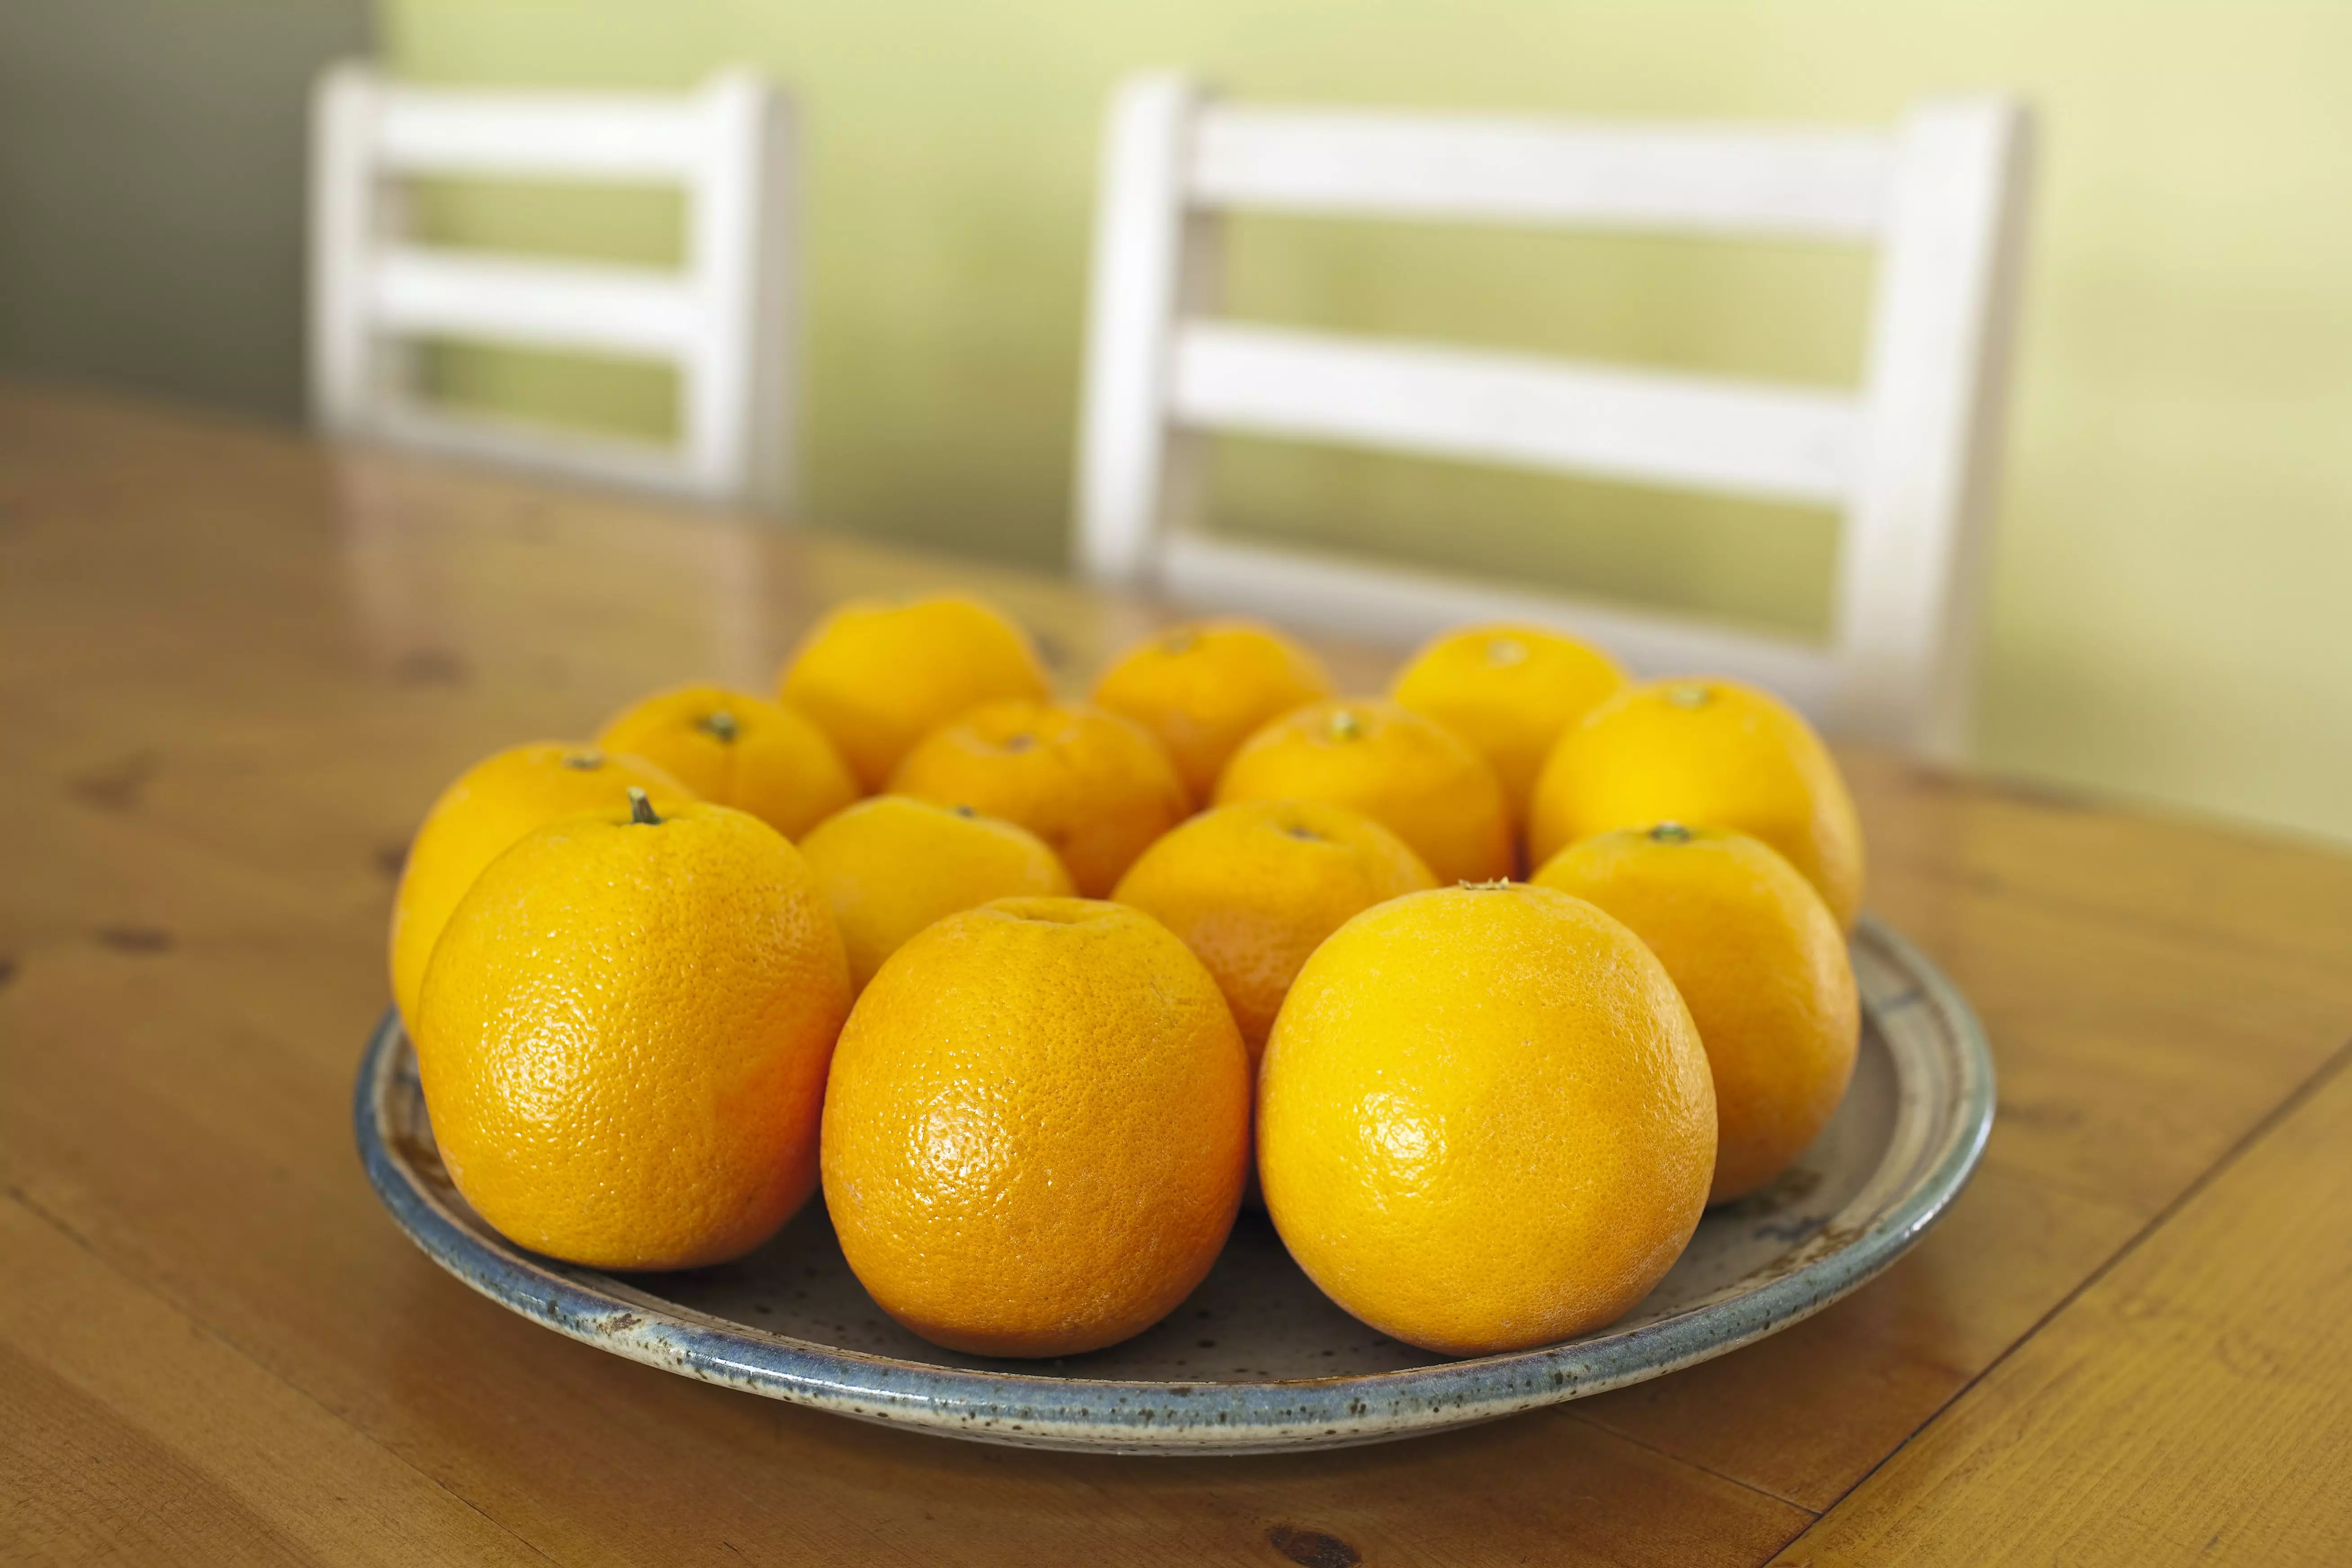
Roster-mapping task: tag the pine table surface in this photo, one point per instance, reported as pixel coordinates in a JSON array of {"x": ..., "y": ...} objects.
[{"x": 235, "y": 665}]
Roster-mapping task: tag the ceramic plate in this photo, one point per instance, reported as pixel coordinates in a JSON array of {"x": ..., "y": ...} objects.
[{"x": 1257, "y": 1359}]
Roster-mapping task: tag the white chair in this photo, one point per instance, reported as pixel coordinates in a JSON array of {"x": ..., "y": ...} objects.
[
  {"x": 727, "y": 321},
  {"x": 1909, "y": 459}
]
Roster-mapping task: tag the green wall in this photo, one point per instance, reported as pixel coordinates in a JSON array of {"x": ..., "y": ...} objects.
[
  {"x": 2170, "y": 614},
  {"x": 151, "y": 156}
]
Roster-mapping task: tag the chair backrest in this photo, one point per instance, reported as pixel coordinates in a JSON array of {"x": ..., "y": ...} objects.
[
  {"x": 726, "y": 322},
  {"x": 1908, "y": 458}
]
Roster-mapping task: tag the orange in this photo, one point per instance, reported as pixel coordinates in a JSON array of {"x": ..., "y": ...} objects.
[
  {"x": 1036, "y": 1128},
  {"x": 1484, "y": 1119},
  {"x": 1252, "y": 889},
  {"x": 739, "y": 750},
  {"x": 1762, "y": 965},
  {"x": 1510, "y": 691},
  {"x": 1415, "y": 778},
  {"x": 1710, "y": 753},
  {"x": 891, "y": 865},
  {"x": 492, "y": 804},
  {"x": 878, "y": 676},
  {"x": 1095, "y": 786},
  {"x": 626, "y": 1030},
  {"x": 1205, "y": 687}
]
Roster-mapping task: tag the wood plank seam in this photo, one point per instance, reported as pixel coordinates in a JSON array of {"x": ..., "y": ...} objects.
[
  {"x": 33, "y": 1206},
  {"x": 2335, "y": 1063},
  {"x": 1597, "y": 1425}
]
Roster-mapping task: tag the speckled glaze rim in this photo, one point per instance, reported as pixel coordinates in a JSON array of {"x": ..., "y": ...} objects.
[{"x": 1944, "y": 1114}]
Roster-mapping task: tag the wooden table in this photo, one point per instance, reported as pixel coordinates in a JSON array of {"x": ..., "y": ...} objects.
[{"x": 235, "y": 665}]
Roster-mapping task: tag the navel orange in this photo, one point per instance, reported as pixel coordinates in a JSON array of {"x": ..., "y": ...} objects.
[
  {"x": 1095, "y": 787},
  {"x": 893, "y": 864},
  {"x": 1484, "y": 1119},
  {"x": 492, "y": 804},
  {"x": 626, "y": 1027},
  {"x": 1510, "y": 691},
  {"x": 1762, "y": 965},
  {"x": 1036, "y": 1128},
  {"x": 878, "y": 676},
  {"x": 1205, "y": 687},
  {"x": 1254, "y": 888},
  {"x": 1708, "y": 752},
  {"x": 735, "y": 749},
  {"x": 1414, "y": 777}
]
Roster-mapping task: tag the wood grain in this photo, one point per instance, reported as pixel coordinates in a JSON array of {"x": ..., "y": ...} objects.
[
  {"x": 2192, "y": 1404},
  {"x": 1804, "y": 1413},
  {"x": 234, "y": 669},
  {"x": 133, "y": 1433}
]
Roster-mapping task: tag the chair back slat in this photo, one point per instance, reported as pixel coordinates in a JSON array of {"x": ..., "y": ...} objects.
[
  {"x": 603, "y": 138},
  {"x": 725, "y": 320},
  {"x": 1908, "y": 457},
  {"x": 1689, "y": 432},
  {"x": 610, "y": 309},
  {"x": 1826, "y": 184},
  {"x": 1412, "y": 606}
]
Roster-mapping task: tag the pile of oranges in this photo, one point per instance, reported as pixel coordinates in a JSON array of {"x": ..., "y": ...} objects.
[{"x": 1041, "y": 992}]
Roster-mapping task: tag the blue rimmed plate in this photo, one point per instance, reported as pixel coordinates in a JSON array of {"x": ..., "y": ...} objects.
[{"x": 1257, "y": 1359}]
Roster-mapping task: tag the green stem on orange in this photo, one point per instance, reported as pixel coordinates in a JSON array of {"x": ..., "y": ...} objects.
[{"x": 640, "y": 808}]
